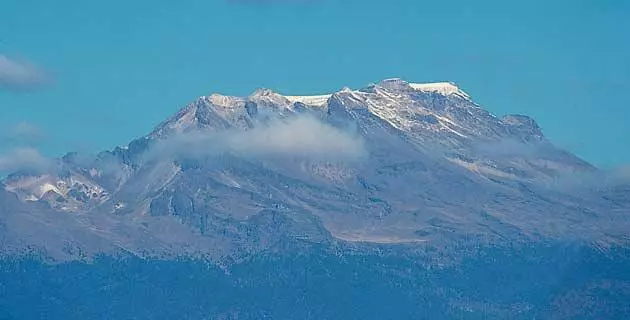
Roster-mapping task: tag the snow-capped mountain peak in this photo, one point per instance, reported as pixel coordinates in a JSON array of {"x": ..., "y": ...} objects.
[
  {"x": 393, "y": 162},
  {"x": 427, "y": 116},
  {"x": 268, "y": 98},
  {"x": 220, "y": 100}
]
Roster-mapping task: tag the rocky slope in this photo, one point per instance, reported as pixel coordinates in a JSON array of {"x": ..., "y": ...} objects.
[{"x": 394, "y": 162}]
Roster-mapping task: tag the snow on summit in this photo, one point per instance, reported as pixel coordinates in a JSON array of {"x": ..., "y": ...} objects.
[
  {"x": 317, "y": 100},
  {"x": 443, "y": 88}
]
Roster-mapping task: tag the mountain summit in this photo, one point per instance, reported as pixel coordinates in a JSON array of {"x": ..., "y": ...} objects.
[{"x": 394, "y": 162}]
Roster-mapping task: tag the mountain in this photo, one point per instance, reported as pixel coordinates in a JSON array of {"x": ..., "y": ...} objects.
[
  {"x": 393, "y": 162},
  {"x": 395, "y": 171}
]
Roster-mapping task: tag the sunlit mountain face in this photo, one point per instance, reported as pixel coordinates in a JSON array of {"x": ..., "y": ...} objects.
[{"x": 394, "y": 201}]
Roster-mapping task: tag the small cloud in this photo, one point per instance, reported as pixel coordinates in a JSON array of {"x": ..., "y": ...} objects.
[
  {"x": 27, "y": 131},
  {"x": 300, "y": 136},
  {"x": 618, "y": 176},
  {"x": 624, "y": 172},
  {"x": 594, "y": 180},
  {"x": 23, "y": 133},
  {"x": 20, "y": 159},
  {"x": 19, "y": 75}
]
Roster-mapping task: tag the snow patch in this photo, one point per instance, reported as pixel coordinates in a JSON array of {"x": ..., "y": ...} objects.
[
  {"x": 43, "y": 189},
  {"x": 316, "y": 101},
  {"x": 443, "y": 88},
  {"x": 224, "y": 101}
]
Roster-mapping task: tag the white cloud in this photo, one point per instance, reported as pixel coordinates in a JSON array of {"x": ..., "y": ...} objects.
[
  {"x": 299, "y": 136},
  {"x": 618, "y": 175},
  {"x": 24, "y": 159},
  {"x": 599, "y": 179},
  {"x": 21, "y": 134},
  {"x": 27, "y": 131},
  {"x": 20, "y": 75}
]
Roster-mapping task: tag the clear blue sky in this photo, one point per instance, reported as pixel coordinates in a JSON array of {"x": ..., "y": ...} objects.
[{"x": 119, "y": 67}]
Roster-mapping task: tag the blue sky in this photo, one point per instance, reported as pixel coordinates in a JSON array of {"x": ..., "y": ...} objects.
[{"x": 95, "y": 74}]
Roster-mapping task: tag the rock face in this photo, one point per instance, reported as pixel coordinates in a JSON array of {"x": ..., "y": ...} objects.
[{"x": 394, "y": 162}]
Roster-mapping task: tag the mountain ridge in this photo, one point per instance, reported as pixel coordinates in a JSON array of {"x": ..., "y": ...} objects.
[{"x": 342, "y": 167}]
